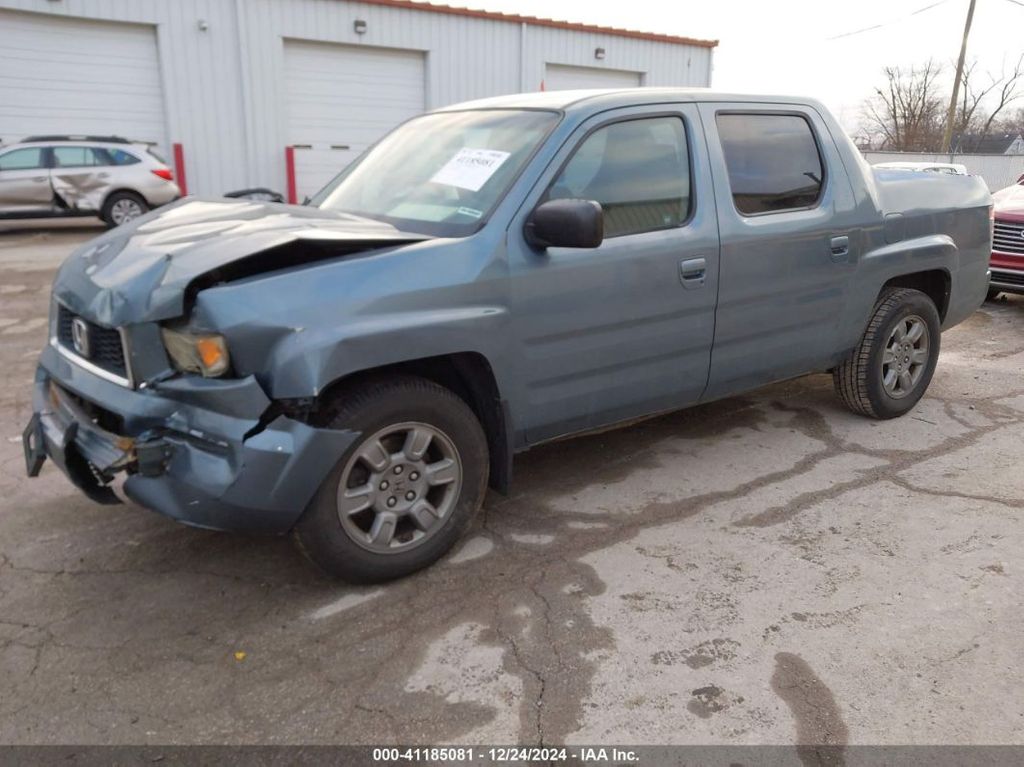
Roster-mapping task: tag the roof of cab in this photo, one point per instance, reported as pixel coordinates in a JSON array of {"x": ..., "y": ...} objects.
[{"x": 610, "y": 98}]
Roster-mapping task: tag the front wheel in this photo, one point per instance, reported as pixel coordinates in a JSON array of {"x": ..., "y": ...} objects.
[
  {"x": 405, "y": 491},
  {"x": 889, "y": 371}
]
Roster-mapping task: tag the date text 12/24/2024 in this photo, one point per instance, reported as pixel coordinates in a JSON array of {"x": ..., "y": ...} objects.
[{"x": 503, "y": 754}]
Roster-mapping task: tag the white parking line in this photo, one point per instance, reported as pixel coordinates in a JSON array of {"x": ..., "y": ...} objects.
[
  {"x": 474, "y": 548},
  {"x": 346, "y": 602}
]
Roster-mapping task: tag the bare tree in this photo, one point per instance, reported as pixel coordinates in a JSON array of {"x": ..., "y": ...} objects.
[
  {"x": 906, "y": 114},
  {"x": 1007, "y": 89},
  {"x": 981, "y": 104},
  {"x": 971, "y": 96},
  {"x": 1011, "y": 124}
]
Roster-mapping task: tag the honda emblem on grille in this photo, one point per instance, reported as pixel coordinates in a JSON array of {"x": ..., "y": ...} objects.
[{"x": 80, "y": 336}]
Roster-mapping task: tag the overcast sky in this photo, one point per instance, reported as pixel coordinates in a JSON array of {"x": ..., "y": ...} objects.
[{"x": 783, "y": 46}]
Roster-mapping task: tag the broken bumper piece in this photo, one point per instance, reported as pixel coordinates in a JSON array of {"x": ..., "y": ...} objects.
[{"x": 220, "y": 469}]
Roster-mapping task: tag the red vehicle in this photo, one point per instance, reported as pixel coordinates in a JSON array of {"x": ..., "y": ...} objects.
[{"x": 1008, "y": 242}]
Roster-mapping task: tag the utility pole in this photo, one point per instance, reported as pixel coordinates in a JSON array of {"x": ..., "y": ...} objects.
[{"x": 947, "y": 136}]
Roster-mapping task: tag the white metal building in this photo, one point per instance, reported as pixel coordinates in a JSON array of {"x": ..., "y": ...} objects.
[{"x": 232, "y": 83}]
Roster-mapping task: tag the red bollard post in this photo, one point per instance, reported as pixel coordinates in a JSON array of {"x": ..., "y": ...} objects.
[
  {"x": 179, "y": 168},
  {"x": 289, "y": 167}
]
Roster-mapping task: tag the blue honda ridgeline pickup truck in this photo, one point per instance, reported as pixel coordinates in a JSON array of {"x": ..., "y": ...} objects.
[{"x": 487, "y": 277}]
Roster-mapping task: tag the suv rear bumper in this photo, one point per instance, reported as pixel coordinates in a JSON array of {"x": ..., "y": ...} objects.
[
  {"x": 161, "y": 194},
  {"x": 222, "y": 469}
]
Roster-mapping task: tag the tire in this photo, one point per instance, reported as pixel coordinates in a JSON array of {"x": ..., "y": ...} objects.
[
  {"x": 993, "y": 294},
  {"x": 865, "y": 380},
  {"x": 395, "y": 535},
  {"x": 122, "y": 207}
]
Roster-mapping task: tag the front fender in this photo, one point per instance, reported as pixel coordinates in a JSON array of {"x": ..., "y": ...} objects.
[
  {"x": 300, "y": 329},
  {"x": 305, "y": 362}
]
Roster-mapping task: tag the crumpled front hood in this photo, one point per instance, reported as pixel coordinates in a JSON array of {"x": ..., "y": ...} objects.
[{"x": 141, "y": 272}]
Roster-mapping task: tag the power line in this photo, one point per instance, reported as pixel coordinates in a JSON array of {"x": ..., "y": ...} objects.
[{"x": 897, "y": 21}]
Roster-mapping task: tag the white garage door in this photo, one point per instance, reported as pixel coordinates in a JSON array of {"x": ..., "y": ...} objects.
[
  {"x": 60, "y": 75},
  {"x": 341, "y": 99},
  {"x": 560, "y": 77}
]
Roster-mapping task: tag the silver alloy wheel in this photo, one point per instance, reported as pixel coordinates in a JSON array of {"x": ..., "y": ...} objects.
[
  {"x": 399, "y": 487},
  {"x": 905, "y": 356},
  {"x": 125, "y": 210}
]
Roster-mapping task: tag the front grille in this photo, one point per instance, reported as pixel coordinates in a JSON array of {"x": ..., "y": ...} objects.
[
  {"x": 1008, "y": 278},
  {"x": 105, "y": 348},
  {"x": 1009, "y": 237},
  {"x": 105, "y": 419}
]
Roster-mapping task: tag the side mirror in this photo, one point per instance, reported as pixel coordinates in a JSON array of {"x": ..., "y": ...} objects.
[{"x": 566, "y": 224}]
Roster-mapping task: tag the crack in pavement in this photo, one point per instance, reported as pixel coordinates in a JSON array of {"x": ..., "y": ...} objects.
[
  {"x": 367, "y": 653},
  {"x": 561, "y": 685},
  {"x": 897, "y": 461},
  {"x": 821, "y": 733}
]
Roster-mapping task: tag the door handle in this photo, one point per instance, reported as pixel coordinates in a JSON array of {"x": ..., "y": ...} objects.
[
  {"x": 693, "y": 272},
  {"x": 839, "y": 247}
]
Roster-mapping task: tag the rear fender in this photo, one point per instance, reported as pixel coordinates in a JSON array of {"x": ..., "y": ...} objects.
[{"x": 886, "y": 263}]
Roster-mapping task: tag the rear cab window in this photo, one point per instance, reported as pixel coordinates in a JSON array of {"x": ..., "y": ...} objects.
[
  {"x": 773, "y": 161},
  {"x": 637, "y": 169}
]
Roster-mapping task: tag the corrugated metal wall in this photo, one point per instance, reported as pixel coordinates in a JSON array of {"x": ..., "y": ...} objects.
[
  {"x": 201, "y": 75},
  {"x": 997, "y": 170},
  {"x": 223, "y": 85}
]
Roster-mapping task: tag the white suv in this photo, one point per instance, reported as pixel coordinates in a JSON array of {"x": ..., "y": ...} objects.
[{"x": 103, "y": 176}]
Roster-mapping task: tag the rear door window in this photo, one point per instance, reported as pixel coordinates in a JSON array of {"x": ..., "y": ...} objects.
[
  {"x": 79, "y": 157},
  {"x": 773, "y": 162},
  {"x": 28, "y": 158}
]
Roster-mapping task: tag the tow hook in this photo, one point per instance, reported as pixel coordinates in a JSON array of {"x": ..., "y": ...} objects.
[{"x": 152, "y": 457}]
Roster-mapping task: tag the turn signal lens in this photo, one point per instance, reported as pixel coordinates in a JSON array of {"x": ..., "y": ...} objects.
[
  {"x": 192, "y": 353},
  {"x": 212, "y": 353}
]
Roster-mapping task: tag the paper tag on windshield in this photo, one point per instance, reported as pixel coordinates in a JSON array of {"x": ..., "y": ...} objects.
[{"x": 470, "y": 168}]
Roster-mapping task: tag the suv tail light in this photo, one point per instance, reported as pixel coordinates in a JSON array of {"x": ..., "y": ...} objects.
[{"x": 164, "y": 173}]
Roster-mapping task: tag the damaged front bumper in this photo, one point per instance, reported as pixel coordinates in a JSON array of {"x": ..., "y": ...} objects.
[{"x": 201, "y": 451}]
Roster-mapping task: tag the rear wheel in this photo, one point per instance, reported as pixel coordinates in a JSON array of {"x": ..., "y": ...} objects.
[
  {"x": 889, "y": 371},
  {"x": 122, "y": 207},
  {"x": 403, "y": 494}
]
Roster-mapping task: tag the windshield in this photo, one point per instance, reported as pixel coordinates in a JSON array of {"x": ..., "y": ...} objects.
[{"x": 439, "y": 174}]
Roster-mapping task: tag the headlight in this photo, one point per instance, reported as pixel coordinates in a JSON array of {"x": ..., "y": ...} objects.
[{"x": 197, "y": 353}]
